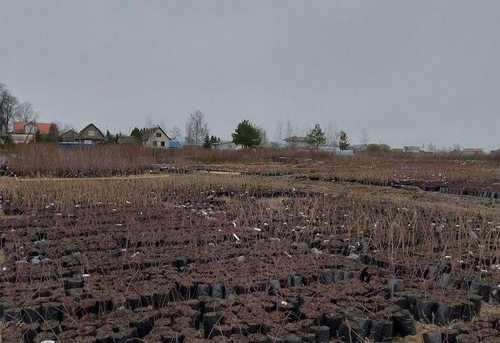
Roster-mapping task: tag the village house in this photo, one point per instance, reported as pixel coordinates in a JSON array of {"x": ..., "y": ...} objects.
[
  {"x": 90, "y": 134},
  {"x": 27, "y": 132},
  {"x": 297, "y": 142},
  {"x": 155, "y": 137},
  {"x": 174, "y": 144},
  {"x": 412, "y": 149},
  {"x": 229, "y": 145},
  {"x": 69, "y": 136},
  {"x": 472, "y": 151},
  {"x": 336, "y": 150}
]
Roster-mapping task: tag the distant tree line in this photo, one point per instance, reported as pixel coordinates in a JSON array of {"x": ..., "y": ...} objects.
[{"x": 246, "y": 133}]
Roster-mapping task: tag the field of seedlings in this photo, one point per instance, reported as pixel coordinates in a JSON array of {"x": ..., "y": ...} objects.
[
  {"x": 477, "y": 176},
  {"x": 480, "y": 178},
  {"x": 288, "y": 250}
]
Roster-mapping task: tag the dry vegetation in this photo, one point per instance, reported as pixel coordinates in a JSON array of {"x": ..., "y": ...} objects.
[
  {"x": 184, "y": 258},
  {"x": 49, "y": 160},
  {"x": 481, "y": 174}
]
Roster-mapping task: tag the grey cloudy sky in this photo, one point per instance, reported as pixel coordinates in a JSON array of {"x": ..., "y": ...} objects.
[{"x": 410, "y": 72}]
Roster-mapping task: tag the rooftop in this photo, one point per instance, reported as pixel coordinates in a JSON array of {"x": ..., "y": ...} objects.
[{"x": 43, "y": 128}]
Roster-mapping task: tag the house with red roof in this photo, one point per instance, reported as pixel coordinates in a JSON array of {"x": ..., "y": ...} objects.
[{"x": 26, "y": 132}]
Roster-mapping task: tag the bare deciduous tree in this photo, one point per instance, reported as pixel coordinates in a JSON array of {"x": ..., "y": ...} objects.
[
  {"x": 63, "y": 127},
  {"x": 278, "y": 136},
  {"x": 8, "y": 104},
  {"x": 149, "y": 122},
  {"x": 365, "y": 139},
  {"x": 175, "y": 133},
  {"x": 330, "y": 134},
  {"x": 289, "y": 132},
  {"x": 335, "y": 139},
  {"x": 431, "y": 147},
  {"x": 25, "y": 113},
  {"x": 196, "y": 128},
  {"x": 264, "y": 141}
]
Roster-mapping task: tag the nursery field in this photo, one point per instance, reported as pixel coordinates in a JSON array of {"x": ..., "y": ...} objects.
[
  {"x": 446, "y": 173},
  {"x": 280, "y": 251}
]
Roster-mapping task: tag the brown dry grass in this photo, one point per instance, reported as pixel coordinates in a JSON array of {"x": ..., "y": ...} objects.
[
  {"x": 418, "y": 338},
  {"x": 49, "y": 160}
]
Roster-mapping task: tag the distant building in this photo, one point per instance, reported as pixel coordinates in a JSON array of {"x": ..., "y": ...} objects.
[
  {"x": 359, "y": 148},
  {"x": 276, "y": 145},
  {"x": 22, "y": 138},
  {"x": 297, "y": 142},
  {"x": 69, "y": 136},
  {"x": 174, "y": 144},
  {"x": 472, "y": 151},
  {"x": 495, "y": 152},
  {"x": 26, "y": 132},
  {"x": 21, "y": 128},
  {"x": 34, "y": 127},
  {"x": 412, "y": 149},
  {"x": 336, "y": 150},
  {"x": 91, "y": 134},
  {"x": 226, "y": 146},
  {"x": 155, "y": 137},
  {"x": 328, "y": 148},
  {"x": 347, "y": 152}
]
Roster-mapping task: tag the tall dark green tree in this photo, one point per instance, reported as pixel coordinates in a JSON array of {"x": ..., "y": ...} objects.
[
  {"x": 214, "y": 140},
  {"x": 51, "y": 137},
  {"x": 316, "y": 136},
  {"x": 344, "y": 141},
  {"x": 206, "y": 142},
  {"x": 110, "y": 139},
  {"x": 210, "y": 142},
  {"x": 246, "y": 134},
  {"x": 136, "y": 133}
]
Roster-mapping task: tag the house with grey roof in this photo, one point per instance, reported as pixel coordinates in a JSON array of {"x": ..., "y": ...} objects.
[{"x": 155, "y": 137}]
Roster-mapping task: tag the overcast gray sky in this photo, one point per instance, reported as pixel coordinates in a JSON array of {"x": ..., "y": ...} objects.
[{"x": 410, "y": 72}]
